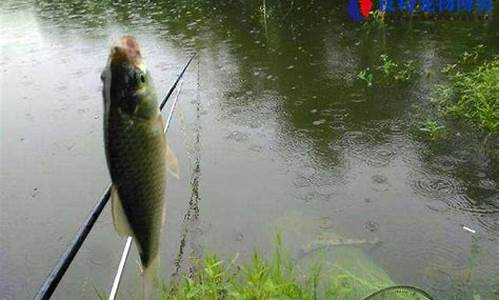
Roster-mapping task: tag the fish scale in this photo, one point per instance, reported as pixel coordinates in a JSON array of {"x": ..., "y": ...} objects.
[{"x": 137, "y": 167}]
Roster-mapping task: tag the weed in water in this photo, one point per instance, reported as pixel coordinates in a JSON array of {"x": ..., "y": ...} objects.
[
  {"x": 432, "y": 129},
  {"x": 473, "y": 96},
  {"x": 375, "y": 20},
  {"x": 473, "y": 56},
  {"x": 388, "y": 72},
  {"x": 394, "y": 72},
  {"x": 366, "y": 76},
  {"x": 388, "y": 66}
]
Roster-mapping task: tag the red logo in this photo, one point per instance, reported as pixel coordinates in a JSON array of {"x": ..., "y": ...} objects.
[{"x": 366, "y": 7}]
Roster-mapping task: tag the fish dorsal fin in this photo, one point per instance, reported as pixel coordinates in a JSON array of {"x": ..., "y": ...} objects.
[
  {"x": 172, "y": 164},
  {"x": 119, "y": 218}
]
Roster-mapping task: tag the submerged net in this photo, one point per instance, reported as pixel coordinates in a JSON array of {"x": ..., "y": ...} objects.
[
  {"x": 350, "y": 274},
  {"x": 347, "y": 272},
  {"x": 400, "y": 292}
]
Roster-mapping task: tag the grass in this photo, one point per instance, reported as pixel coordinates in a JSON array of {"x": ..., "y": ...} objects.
[
  {"x": 472, "y": 95},
  {"x": 388, "y": 72},
  {"x": 392, "y": 71},
  {"x": 375, "y": 20},
  {"x": 432, "y": 129},
  {"x": 366, "y": 76},
  {"x": 261, "y": 279}
]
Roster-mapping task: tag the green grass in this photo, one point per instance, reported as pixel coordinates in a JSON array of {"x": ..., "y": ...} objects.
[
  {"x": 392, "y": 71},
  {"x": 375, "y": 20},
  {"x": 388, "y": 72},
  {"x": 432, "y": 129},
  {"x": 277, "y": 278},
  {"x": 366, "y": 76},
  {"x": 472, "y": 95}
]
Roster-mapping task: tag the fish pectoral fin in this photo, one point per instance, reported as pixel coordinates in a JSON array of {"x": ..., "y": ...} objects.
[
  {"x": 172, "y": 164},
  {"x": 119, "y": 218}
]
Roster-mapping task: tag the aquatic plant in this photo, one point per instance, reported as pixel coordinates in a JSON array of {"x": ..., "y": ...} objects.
[
  {"x": 388, "y": 66},
  {"x": 375, "y": 20},
  {"x": 388, "y": 72},
  {"x": 396, "y": 72},
  {"x": 473, "y": 55},
  {"x": 472, "y": 95},
  {"x": 366, "y": 76},
  {"x": 432, "y": 129}
]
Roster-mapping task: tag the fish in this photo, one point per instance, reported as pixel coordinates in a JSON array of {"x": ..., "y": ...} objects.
[{"x": 137, "y": 154}]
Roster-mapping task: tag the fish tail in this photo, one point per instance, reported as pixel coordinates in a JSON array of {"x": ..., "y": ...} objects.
[{"x": 150, "y": 280}]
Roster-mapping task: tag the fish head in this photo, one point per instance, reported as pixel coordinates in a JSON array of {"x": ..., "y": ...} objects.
[{"x": 127, "y": 83}]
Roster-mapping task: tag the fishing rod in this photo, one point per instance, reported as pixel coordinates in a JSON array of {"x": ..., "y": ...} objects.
[
  {"x": 128, "y": 242},
  {"x": 52, "y": 280}
]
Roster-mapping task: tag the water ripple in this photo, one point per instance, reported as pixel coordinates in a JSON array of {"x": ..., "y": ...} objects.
[
  {"x": 434, "y": 186},
  {"x": 445, "y": 193}
]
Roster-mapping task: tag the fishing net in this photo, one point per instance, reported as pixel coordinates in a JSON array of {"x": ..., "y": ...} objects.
[
  {"x": 349, "y": 273},
  {"x": 354, "y": 276},
  {"x": 346, "y": 271},
  {"x": 400, "y": 292}
]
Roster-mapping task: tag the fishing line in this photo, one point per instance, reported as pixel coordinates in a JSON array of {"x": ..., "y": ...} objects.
[{"x": 192, "y": 214}]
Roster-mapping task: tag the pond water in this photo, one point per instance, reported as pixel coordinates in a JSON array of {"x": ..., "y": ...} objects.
[{"x": 272, "y": 122}]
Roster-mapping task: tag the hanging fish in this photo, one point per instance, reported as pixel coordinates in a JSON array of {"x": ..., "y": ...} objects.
[{"x": 137, "y": 154}]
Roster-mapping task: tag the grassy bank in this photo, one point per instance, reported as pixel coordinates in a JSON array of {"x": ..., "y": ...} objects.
[{"x": 260, "y": 279}]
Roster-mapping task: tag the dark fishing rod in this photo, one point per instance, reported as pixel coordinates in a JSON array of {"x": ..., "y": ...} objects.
[
  {"x": 52, "y": 281},
  {"x": 176, "y": 82}
]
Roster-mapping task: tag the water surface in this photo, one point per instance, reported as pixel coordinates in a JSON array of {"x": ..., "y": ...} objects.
[{"x": 272, "y": 123}]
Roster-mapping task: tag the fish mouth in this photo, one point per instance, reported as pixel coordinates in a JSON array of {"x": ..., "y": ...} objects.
[{"x": 126, "y": 51}]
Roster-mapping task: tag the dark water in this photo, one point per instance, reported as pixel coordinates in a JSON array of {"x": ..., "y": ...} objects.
[{"x": 272, "y": 123}]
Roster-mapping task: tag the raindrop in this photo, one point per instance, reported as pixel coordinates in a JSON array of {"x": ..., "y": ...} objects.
[
  {"x": 318, "y": 122},
  {"x": 371, "y": 226},
  {"x": 379, "y": 179},
  {"x": 35, "y": 192}
]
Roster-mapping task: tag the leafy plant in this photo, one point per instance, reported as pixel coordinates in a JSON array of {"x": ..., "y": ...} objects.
[
  {"x": 473, "y": 96},
  {"x": 388, "y": 66},
  {"x": 474, "y": 55},
  {"x": 388, "y": 72},
  {"x": 366, "y": 76},
  {"x": 393, "y": 71},
  {"x": 432, "y": 129},
  {"x": 375, "y": 20}
]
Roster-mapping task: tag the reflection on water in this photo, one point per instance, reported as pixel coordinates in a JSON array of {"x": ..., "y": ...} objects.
[{"x": 277, "y": 119}]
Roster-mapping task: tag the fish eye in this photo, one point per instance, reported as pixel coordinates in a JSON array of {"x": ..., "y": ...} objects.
[{"x": 142, "y": 78}]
